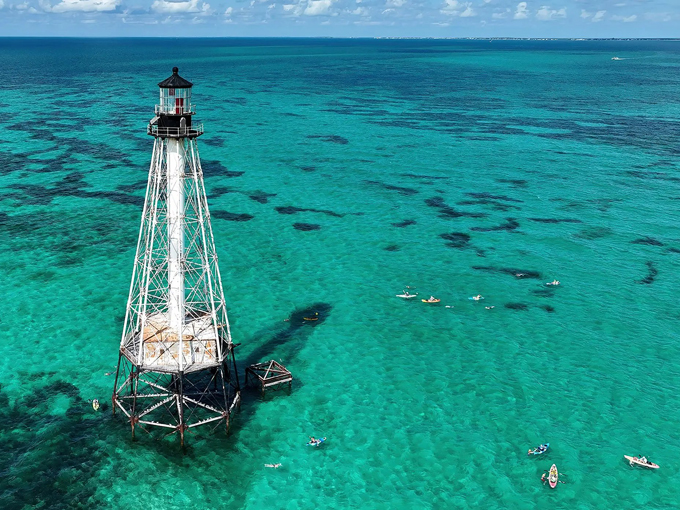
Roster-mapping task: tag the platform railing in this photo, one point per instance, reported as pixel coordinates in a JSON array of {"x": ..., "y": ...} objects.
[{"x": 175, "y": 132}]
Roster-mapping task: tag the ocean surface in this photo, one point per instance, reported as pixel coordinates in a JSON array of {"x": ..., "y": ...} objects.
[{"x": 338, "y": 173}]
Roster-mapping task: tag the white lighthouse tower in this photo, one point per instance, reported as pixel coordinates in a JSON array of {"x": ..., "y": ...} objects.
[{"x": 176, "y": 368}]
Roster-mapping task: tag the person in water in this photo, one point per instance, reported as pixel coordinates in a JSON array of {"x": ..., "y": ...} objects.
[{"x": 543, "y": 478}]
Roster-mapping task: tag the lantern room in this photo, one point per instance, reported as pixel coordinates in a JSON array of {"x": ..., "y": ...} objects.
[
  {"x": 175, "y": 97},
  {"x": 174, "y": 111}
]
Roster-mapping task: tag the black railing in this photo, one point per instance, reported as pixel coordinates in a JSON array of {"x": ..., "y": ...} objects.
[{"x": 175, "y": 132}]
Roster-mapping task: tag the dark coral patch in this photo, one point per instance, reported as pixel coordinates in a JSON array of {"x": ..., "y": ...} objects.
[
  {"x": 399, "y": 189},
  {"x": 652, "y": 271},
  {"x": 496, "y": 205},
  {"x": 213, "y": 168},
  {"x": 673, "y": 250},
  {"x": 493, "y": 197},
  {"x": 224, "y": 215},
  {"x": 556, "y": 220},
  {"x": 648, "y": 240},
  {"x": 132, "y": 187},
  {"x": 592, "y": 233},
  {"x": 516, "y": 183},
  {"x": 517, "y": 306},
  {"x": 305, "y": 227},
  {"x": 214, "y": 141},
  {"x": 291, "y": 209},
  {"x": 424, "y": 177},
  {"x": 331, "y": 138},
  {"x": 308, "y": 168},
  {"x": 446, "y": 211},
  {"x": 545, "y": 291},
  {"x": 404, "y": 223},
  {"x": 509, "y": 225},
  {"x": 457, "y": 240},
  {"x": 392, "y": 247},
  {"x": 526, "y": 273},
  {"x": 548, "y": 308},
  {"x": 261, "y": 196}
]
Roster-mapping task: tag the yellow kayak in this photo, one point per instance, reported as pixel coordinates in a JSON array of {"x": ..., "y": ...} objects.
[{"x": 430, "y": 300}]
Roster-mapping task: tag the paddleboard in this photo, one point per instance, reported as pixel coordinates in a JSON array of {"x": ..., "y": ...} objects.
[
  {"x": 553, "y": 476},
  {"x": 534, "y": 452},
  {"x": 407, "y": 296},
  {"x": 317, "y": 443},
  {"x": 635, "y": 461}
]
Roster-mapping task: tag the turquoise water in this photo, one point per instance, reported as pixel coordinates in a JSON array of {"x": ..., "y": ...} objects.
[{"x": 447, "y": 166}]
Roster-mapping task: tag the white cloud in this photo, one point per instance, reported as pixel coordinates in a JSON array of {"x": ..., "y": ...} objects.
[
  {"x": 468, "y": 12},
  {"x": 18, "y": 7},
  {"x": 451, "y": 7},
  {"x": 456, "y": 8},
  {"x": 599, "y": 16},
  {"x": 2, "y": 4},
  {"x": 318, "y": 7},
  {"x": 500, "y": 15},
  {"x": 395, "y": 3},
  {"x": 658, "y": 16},
  {"x": 360, "y": 11},
  {"x": 625, "y": 19},
  {"x": 545, "y": 13},
  {"x": 287, "y": 7},
  {"x": 228, "y": 12},
  {"x": 179, "y": 7},
  {"x": 89, "y": 21},
  {"x": 521, "y": 11},
  {"x": 81, "y": 5}
]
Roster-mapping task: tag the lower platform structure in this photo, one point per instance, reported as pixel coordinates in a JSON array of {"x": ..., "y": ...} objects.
[
  {"x": 176, "y": 401},
  {"x": 269, "y": 374}
]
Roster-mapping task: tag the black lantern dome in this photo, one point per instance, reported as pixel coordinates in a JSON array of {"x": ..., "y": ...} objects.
[{"x": 175, "y": 81}]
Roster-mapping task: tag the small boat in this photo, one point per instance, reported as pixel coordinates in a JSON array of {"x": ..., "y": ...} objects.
[
  {"x": 539, "y": 450},
  {"x": 616, "y": 58},
  {"x": 406, "y": 295},
  {"x": 316, "y": 442},
  {"x": 95, "y": 404},
  {"x": 554, "y": 282},
  {"x": 315, "y": 318},
  {"x": 640, "y": 461},
  {"x": 553, "y": 476},
  {"x": 430, "y": 300}
]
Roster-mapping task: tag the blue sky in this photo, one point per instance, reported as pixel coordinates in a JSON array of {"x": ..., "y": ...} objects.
[{"x": 342, "y": 18}]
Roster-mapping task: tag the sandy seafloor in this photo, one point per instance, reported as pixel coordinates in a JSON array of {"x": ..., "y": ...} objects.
[{"x": 447, "y": 166}]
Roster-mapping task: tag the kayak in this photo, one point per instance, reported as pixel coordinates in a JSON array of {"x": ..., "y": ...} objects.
[
  {"x": 407, "y": 296},
  {"x": 430, "y": 300},
  {"x": 636, "y": 461},
  {"x": 539, "y": 450},
  {"x": 553, "y": 476},
  {"x": 317, "y": 442}
]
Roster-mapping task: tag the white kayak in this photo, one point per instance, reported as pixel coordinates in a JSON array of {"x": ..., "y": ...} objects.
[
  {"x": 406, "y": 296},
  {"x": 640, "y": 461}
]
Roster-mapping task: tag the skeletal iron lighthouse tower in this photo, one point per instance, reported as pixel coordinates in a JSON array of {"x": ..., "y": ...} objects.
[{"x": 176, "y": 368}]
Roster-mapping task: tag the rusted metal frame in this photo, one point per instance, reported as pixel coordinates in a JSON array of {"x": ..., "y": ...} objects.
[
  {"x": 158, "y": 424},
  {"x": 156, "y": 406},
  {"x": 146, "y": 395},
  {"x": 207, "y": 420},
  {"x": 202, "y": 404}
]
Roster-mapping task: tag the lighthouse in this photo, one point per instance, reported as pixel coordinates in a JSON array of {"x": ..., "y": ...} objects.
[{"x": 176, "y": 366}]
